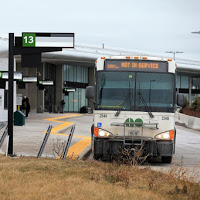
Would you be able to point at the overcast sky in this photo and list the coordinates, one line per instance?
(145, 25)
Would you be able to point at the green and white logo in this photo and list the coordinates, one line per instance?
(138, 122)
(129, 120)
(28, 39)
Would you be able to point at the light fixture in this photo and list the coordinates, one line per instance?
(46, 82)
(29, 79)
(17, 75)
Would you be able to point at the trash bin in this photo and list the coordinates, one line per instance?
(84, 109)
(19, 118)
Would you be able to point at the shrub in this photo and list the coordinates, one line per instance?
(195, 104)
(193, 110)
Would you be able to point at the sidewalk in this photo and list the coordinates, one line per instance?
(28, 139)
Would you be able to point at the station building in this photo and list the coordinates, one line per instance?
(71, 71)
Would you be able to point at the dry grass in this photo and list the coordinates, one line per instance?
(133, 157)
(31, 178)
(58, 147)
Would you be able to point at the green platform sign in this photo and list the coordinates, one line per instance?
(28, 39)
(61, 40)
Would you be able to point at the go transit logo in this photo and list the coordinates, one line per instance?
(130, 122)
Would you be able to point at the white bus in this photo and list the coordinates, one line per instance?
(134, 104)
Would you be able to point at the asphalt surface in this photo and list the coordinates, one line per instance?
(187, 147)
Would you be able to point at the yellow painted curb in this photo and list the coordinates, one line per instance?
(78, 148)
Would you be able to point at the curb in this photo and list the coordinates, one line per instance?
(85, 154)
(190, 122)
(184, 125)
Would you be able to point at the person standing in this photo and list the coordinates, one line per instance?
(28, 107)
(23, 107)
(62, 104)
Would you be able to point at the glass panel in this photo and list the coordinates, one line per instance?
(195, 83)
(75, 73)
(71, 103)
(82, 97)
(184, 82)
(154, 90)
(70, 73)
(75, 100)
(86, 75)
(65, 72)
(114, 92)
(79, 74)
(187, 96)
(83, 76)
(66, 108)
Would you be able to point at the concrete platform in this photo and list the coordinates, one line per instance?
(28, 138)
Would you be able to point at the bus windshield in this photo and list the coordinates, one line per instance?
(123, 90)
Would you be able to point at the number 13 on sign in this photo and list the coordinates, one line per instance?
(28, 40)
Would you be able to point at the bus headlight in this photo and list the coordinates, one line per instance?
(169, 135)
(98, 132)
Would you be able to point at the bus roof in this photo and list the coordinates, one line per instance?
(136, 57)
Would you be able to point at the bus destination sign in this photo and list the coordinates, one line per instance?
(136, 65)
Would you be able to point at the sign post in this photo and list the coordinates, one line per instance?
(10, 92)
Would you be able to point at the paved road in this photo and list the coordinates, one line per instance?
(187, 147)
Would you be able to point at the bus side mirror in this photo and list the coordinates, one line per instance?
(89, 93)
(180, 100)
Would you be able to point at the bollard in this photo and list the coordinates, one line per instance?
(44, 141)
(68, 142)
(3, 136)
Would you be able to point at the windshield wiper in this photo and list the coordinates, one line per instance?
(123, 103)
(125, 100)
(145, 105)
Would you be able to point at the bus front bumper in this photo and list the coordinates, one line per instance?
(154, 148)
